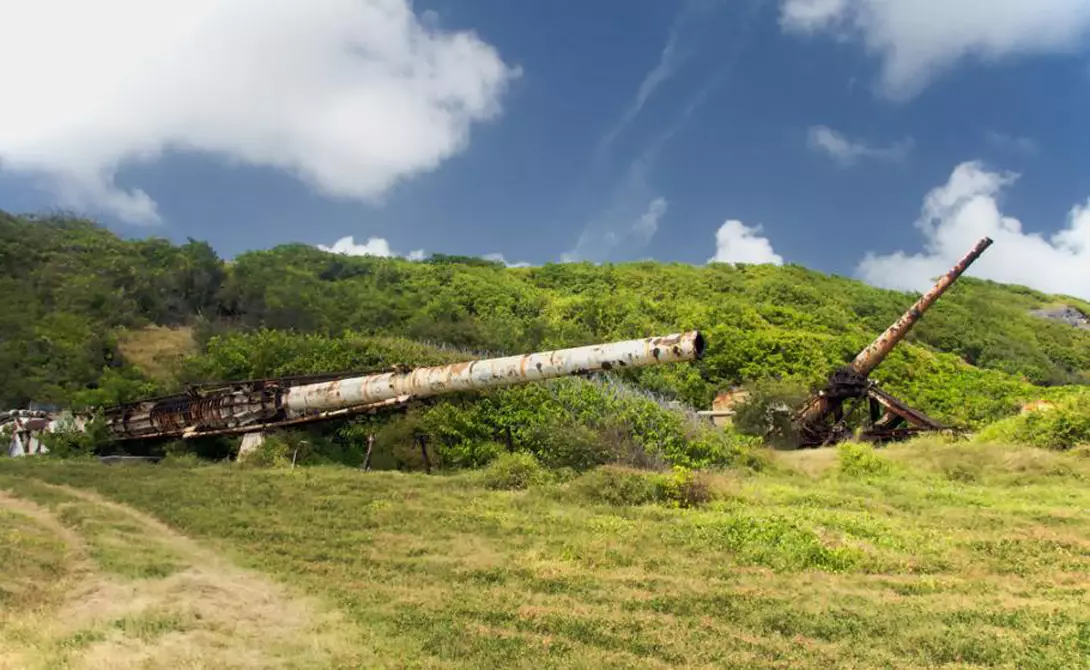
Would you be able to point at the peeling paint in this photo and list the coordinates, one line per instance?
(490, 373)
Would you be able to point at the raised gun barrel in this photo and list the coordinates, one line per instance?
(850, 381)
(249, 406)
(876, 351)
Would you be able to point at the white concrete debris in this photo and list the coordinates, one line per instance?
(21, 429)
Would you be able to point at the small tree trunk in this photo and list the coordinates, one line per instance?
(424, 452)
(370, 448)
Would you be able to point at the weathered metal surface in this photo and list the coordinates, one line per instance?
(254, 405)
(232, 407)
(491, 373)
(851, 381)
(876, 351)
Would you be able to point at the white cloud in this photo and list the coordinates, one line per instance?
(498, 257)
(736, 242)
(1022, 145)
(966, 208)
(374, 246)
(919, 39)
(848, 152)
(350, 99)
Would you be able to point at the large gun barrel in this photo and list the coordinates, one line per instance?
(876, 351)
(851, 380)
(254, 405)
(491, 373)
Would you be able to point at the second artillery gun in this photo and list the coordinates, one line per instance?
(822, 419)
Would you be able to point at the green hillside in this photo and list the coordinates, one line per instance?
(86, 312)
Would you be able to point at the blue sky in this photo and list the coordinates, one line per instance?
(562, 130)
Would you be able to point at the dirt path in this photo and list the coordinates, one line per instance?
(193, 609)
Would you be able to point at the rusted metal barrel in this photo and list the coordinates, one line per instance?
(876, 351)
(849, 381)
(491, 373)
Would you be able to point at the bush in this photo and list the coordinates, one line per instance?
(514, 471)
(683, 488)
(861, 460)
(768, 410)
(624, 486)
(274, 452)
(727, 447)
(616, 485)
(69, 442)
(1063, 426)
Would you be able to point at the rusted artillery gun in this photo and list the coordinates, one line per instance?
(258, 405)
(822, 419)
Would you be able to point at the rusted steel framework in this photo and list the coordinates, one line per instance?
(822, 420)
(256, 405)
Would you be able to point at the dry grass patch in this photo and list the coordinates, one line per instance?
(83, 608)
(156, 350)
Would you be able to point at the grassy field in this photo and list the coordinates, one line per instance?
(920, 555)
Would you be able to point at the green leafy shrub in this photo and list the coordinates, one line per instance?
(616, 485)
(1063, 426)
(768, 409)
(67, 442)
(857, 459)
(514, 471)
(623, 486)
(275, 452)
(682, 488)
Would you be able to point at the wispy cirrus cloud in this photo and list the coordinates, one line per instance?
(1014, 143)
(848, 152)
(674, 53)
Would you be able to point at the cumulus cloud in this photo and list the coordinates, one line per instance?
(919, 39)
(848, 152)
(736, 242)
(957, 214)
(374, 246)
(350, 99)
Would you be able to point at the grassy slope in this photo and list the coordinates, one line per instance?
(963, 555)
(91, 584)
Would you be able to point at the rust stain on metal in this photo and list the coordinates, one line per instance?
(257, 404)
(851, 381)
(876, 352)
(424, 382)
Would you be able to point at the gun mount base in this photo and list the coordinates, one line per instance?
(888, 419)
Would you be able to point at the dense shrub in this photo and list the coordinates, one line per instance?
(861, 460)
(615, 485)
(1063, 426)
(514, 471)
(682, 488)
(623, 486)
